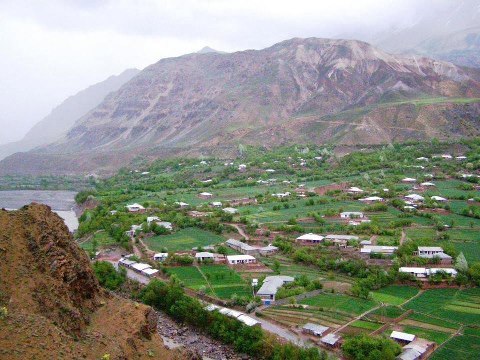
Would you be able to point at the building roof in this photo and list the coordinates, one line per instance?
(450, 271)
(438, 198)
(341, 237)
(311, 237)
(330, 339)
(138, 206)
(140, 266)
(415, 197)
(160, 255)
(415, 270)
(239, 257)
(354, 189)
(204, 254)
(371, 198)
(126, 262)
(407, 179)
(440, 255)
(216, 203)
(247, 320)
(409, 354)
(354, 213)
(402, 336)
(430, 248)
(206, 193)
(378, 249)
(150, 271)
(316, 329)
(230, 210)
(242, 245)
(269, 248)
(427, 183)
(271, 284)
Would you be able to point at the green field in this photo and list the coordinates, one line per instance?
(391, 312)
(394, 295)
(341, 302)
(183, 240)
(216, 280)
(458, 306)
(438, 336)
(102, 238)
(367, 325)
(466, 346)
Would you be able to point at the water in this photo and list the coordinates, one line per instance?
(62, 202)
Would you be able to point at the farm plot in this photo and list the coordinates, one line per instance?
(466, 346)
(340, 302)
(390, 312)
(225, 281)
(298, 316)
(183, 240)
(191, 277)
(394, 295)
(458, 306)
(98, 240)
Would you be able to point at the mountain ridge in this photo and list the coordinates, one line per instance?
(299, 90)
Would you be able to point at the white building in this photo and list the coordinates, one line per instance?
(415, 197)
(160, 256)
(181, 204)
(270, 287)
(205, 195)
(371, 199)
(242, 167)
(351, 215)
(135, 208)
(438, 198)
(230, 210)
(149, 272)
(354, 190)
(152, 218)
(241, 259)
(427, 184)
(378, 249)
(203, 255)
(401, 336)
(216, 204)
(409, 180)
(310, 238)
(166, 224)
(314, 329)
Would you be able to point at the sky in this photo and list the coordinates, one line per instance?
(52, 49)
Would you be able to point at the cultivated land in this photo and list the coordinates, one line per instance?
(287, 192)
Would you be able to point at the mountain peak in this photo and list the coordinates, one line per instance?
(208, 50)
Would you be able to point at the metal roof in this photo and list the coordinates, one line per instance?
(330, 339)
(271, 284)
(402, 336)
(315, 328)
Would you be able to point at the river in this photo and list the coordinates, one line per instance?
(61, 202)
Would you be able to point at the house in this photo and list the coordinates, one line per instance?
(126, 262)
(460, 158)
(133, 208)
(371, 199)
(310, 239)
(181, 204)
(149, 272)
(366, 242)
(438, 198)
(152, 218)
(241, 259)
(314, 329)
(198, 214)
(331, 340)
(230, 210)
(216, 204)
(402, 337)
(446, 156)
(202, 256)
(133, 230)
(205, 195)
(268, 250)
(270, 287)
(139, 267)
(449, 271)
(354, 190)
(247, 320)
(282, 195)
(145, 172)
(166, 224)
(358, 222)
(243, 201)
(242, 167)
(417, 272)
(416, 350)
(415, 197)
(333, 237)
(207, 181)
(270, 171)
(432, 252)
(378, 249)
(422, 158)
(427, 184)
(409, 180)
(241, 247)
(351, 215)
(160, 257)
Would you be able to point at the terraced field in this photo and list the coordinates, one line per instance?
(466, 346)
(184, 239)
(394, 295)
(347, 304)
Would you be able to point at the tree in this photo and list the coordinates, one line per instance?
(365, 347)
(461, 263)
(276, 266)
(107, 275)
(474, 273)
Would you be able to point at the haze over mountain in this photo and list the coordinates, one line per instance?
(297, 91)
(62, 118)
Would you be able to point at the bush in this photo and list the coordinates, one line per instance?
(107, 275)
(364, 347)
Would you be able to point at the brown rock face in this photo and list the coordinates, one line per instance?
(43, 270)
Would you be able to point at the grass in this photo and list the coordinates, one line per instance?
(341, 302)
(103, 240)
(458, 306)
(433, 321)
(217, 280)
(184, 239)
(394, 295)
(391, 312)
(367, 325)
(438, 336)
(466, 346)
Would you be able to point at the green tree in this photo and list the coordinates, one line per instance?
(107, 275)
(461, 263)
(365, 347)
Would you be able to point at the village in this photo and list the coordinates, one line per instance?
(317, 260)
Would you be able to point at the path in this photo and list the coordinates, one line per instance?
(373, 239)
(240, 231)
(205, 278)
(403, 238)
(356, 318)
(413, 297)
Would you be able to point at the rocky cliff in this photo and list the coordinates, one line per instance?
(56, 309)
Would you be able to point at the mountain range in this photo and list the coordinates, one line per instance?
(297, 91)
(63, 117)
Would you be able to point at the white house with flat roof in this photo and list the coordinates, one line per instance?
(241, 259)
(415, 197)
(351, 215)
(378, 249)
(438, 198)
(270, 287)
(160, 256)
(354, 190)
(371, 199)
(401, 336)
(310, 238)
(204, 256)
(135, 208)
(314, 329)
(409, 180)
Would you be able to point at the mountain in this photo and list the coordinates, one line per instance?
(449, 33)
(56, 308)
(207, 50)
(297, 91)
(62, 118)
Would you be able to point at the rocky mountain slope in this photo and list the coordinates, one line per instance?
(56, 308)
(62, 118)
(301, 90)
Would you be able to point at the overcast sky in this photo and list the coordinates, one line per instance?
(52, 49)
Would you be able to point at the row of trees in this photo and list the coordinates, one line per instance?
(249, 340)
